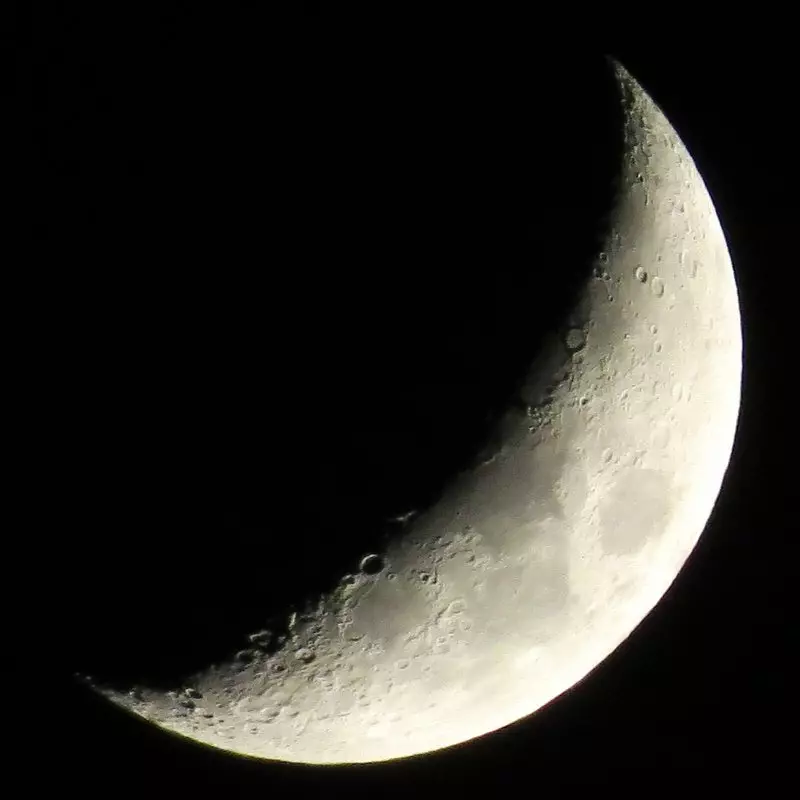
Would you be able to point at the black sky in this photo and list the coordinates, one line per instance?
(701, 692)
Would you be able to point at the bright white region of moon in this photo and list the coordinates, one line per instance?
(537, 564)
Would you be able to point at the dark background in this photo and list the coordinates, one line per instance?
(165, 200)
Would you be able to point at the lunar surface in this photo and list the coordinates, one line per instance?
(538, 561)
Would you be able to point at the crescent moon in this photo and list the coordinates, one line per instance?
(541, 559)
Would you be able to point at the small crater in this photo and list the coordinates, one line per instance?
(640, 274)
(260, 638)
(575, 339)
(305, 655)
(372, 564)
(402, 519)
(245, 656)
(458, 606)
(657, 287)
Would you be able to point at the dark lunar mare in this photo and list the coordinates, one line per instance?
(302, 290)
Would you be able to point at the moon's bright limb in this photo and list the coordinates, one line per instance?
(538, 563)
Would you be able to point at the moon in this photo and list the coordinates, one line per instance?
(544, 555)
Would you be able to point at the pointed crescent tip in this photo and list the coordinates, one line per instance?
(619, 70)
(627, 85)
